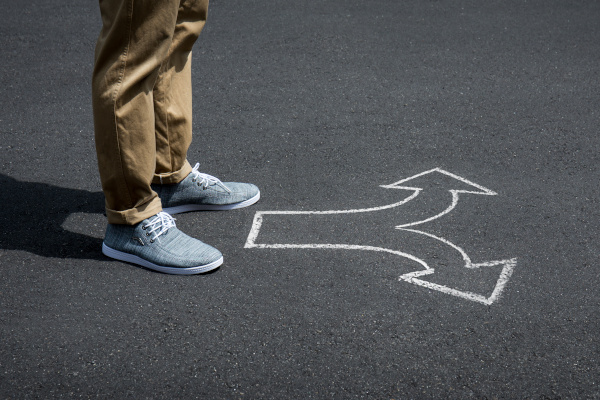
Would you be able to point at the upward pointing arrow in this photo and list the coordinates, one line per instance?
(418, 183)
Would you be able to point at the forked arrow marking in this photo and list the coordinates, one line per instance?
(411, 277)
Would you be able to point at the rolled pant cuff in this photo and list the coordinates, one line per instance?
(173, 177)
(134, 215)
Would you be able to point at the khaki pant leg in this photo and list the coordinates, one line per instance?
(134, 41)
(173, 96)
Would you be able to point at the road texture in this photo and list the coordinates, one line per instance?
(320, 104)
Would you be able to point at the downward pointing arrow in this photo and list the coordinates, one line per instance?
(293, 222)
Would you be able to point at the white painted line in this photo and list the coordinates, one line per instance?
(468, 263)
(340, 246)
(446, 211)
(482, 190)
(256, 224)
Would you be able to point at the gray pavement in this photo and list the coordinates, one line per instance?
(319, 105)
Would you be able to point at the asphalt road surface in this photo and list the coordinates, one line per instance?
(429, 218)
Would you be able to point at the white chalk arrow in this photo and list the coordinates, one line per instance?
(507, 265)
(417, 185)
(507, 270)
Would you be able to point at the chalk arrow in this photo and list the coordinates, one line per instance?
(507, 270)
(507, 267)
(337, 229)
(439, 178)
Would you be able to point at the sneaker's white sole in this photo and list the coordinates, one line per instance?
(210, 207)
(119, 255)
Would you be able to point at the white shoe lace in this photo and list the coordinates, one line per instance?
(158, 225)
(206, 180)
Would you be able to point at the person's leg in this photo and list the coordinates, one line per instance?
(134, 41)
(173, 96)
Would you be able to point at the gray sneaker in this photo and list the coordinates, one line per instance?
(200, 191)
(157, 244)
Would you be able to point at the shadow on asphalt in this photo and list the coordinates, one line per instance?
(32, 215)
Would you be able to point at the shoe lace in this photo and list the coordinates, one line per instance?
(159, 225)
(206, 180)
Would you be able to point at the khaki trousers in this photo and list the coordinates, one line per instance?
(142, 100)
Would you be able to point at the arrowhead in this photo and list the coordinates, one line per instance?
(439, 178)
(507, 267)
